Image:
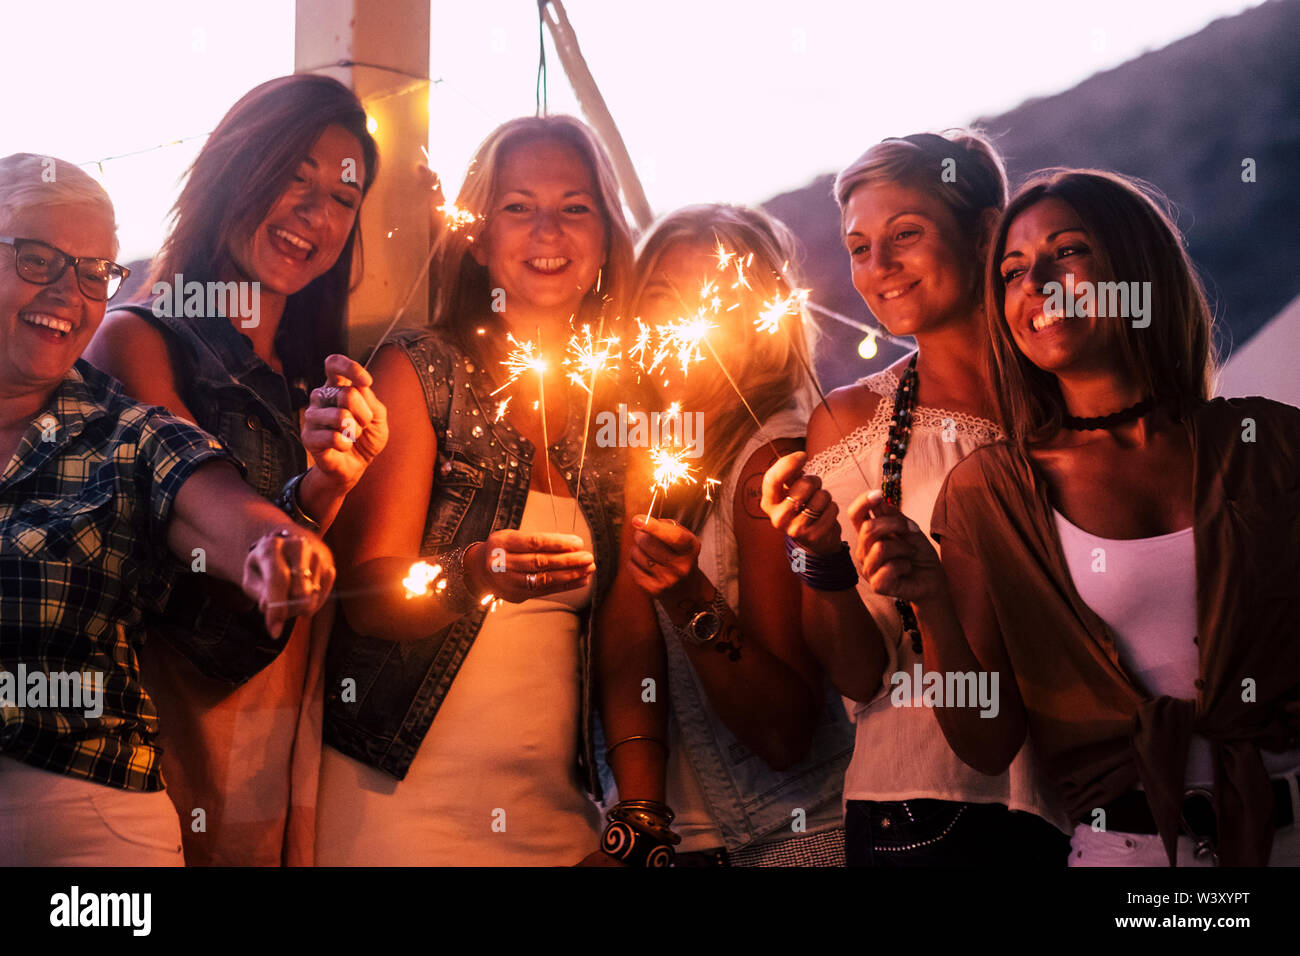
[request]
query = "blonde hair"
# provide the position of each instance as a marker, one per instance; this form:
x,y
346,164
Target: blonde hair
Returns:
x,y
1134,239
463,294
770,369
30,181
961,167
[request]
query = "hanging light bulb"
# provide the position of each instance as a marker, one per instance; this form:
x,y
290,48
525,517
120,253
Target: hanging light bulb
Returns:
x,y
867,347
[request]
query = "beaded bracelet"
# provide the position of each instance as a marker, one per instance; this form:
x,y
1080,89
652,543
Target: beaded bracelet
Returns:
x,y
834,572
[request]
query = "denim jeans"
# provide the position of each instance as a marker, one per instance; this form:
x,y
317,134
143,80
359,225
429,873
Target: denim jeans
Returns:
x,y
919,833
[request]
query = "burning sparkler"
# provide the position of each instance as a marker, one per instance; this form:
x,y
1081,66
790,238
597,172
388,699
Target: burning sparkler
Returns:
x,y
670,469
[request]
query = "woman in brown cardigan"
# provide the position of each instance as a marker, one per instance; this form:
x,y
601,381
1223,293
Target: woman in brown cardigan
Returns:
x,y
1128,553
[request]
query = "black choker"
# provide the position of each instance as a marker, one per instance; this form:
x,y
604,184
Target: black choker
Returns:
x,y
1130,414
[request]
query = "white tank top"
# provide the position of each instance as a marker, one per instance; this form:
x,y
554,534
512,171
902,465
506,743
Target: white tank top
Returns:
x,y
1145,591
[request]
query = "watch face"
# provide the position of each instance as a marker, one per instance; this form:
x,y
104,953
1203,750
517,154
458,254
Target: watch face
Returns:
x,y
705,626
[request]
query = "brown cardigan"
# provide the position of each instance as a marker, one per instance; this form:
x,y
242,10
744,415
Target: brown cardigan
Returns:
x,y
1096,732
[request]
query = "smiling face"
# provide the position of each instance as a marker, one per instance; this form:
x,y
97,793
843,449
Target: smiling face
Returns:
x,y
909,260
1045,243
305,230
33,355
545,237
672,292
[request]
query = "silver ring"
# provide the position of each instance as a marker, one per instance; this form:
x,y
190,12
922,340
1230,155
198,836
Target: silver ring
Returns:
x,y
329,396
798,505
301,572
531,578
813,515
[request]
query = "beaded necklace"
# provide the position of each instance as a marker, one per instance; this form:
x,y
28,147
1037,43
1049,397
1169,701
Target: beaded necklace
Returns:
x,y
900,432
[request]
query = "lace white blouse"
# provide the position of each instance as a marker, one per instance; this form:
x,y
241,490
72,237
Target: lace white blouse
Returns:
x,y
900,752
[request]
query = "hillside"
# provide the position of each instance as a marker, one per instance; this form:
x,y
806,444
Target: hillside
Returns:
x,y
1183,117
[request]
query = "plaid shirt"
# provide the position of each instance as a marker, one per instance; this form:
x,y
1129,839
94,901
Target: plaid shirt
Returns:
x,y
84,506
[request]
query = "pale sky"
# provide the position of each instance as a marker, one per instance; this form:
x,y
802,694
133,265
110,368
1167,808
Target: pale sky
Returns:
x,y
716,100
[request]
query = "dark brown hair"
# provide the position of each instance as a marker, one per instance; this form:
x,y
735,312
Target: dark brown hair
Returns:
x,y
243,168
1134,240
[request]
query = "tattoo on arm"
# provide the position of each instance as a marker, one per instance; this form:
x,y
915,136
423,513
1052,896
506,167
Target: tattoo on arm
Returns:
x,y
751,496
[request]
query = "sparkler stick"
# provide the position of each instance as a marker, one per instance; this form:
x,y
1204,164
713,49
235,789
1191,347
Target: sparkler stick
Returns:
x,y
596,362
769,320
456,218
546,443
670,469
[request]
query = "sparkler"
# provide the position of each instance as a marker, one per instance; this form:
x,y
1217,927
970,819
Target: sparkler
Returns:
x,y
769,320
456,218
592,357
520,360
670,468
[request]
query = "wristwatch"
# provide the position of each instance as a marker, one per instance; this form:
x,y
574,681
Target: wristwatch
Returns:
x,y
706,623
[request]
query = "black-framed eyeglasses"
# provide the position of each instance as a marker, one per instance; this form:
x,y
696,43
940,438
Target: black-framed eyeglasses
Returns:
x,y
41,263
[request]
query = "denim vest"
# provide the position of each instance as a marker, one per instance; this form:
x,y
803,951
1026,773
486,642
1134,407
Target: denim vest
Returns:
x,y
481,480
236,396
747,799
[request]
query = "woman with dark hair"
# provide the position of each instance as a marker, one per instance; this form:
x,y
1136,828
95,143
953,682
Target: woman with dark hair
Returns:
x,y
917,213
249,312
743,749
1147,529
459,728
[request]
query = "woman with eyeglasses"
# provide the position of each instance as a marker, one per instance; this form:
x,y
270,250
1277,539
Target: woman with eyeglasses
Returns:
x,y
1127,558
270,210
101,501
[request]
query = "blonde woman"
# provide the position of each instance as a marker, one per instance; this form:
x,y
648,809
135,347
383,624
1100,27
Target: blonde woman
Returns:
x,y
1148,529
743,750
456,734
916,215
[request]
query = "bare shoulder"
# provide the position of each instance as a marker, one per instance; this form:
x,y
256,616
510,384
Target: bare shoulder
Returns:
x,y
134,352
845,409
125,340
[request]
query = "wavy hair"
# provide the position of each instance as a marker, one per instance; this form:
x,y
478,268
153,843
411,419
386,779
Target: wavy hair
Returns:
x,y
1134,240
245,165
462,297
771,369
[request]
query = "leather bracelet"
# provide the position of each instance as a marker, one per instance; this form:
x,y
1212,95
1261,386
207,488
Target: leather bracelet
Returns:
x,y
288,503
834,572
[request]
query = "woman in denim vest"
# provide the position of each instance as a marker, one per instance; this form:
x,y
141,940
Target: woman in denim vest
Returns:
x,y
748,764
248,311
459,728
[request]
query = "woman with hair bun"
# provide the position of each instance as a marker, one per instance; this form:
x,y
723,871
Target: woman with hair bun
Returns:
x,y
916,216
1128,554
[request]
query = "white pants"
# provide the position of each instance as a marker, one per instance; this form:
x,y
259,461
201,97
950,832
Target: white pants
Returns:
x,y
1089,847
52,819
